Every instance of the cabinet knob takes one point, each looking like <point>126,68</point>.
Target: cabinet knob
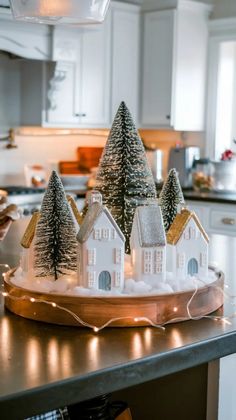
<point>80,114</point>
<point>228,221</point>
<point>168,117</point>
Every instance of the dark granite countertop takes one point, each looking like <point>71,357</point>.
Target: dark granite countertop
<point>214,197</point>
<point>44,366</point>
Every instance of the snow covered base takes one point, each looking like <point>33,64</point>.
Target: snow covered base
<point>68,284</point>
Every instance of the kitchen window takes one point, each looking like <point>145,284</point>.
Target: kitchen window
<point>221,124</point>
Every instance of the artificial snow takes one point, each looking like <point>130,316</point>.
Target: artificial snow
<point>67,284</point>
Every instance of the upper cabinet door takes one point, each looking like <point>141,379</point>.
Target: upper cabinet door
<point>174,67</point>
<point>157,68</point>
<point>125,58</point>
<point>93,75</point>
<point>190,69</point>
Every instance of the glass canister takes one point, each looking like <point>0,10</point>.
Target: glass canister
<point>202,172</point>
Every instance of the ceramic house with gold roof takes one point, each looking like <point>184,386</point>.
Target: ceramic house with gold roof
<point>187,246</point>
<point>148,245</point>
<point>100,248</point>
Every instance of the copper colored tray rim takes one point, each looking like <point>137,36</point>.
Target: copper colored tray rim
<point>99,310</point>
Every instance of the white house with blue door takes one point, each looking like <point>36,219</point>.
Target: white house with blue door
<point>187,246</point>
<point>100,249</point>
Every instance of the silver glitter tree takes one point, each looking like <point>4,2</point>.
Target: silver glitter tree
<point>124,177</point>
<point>170,197</point>
<point>55,240</point>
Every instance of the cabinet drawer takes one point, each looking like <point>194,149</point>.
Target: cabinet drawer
<point>223,221</point>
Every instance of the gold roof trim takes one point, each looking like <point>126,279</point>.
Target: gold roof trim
<point>30,230</point>
<point>74,208</point>
<point>180,222</point>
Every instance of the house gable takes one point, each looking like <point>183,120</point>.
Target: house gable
<point>92,215</point>
<point>180,223</point>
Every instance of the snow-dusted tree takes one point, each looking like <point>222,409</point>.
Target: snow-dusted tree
<point>170,197</point>
<point>55,240</point>
<point>124,177</point>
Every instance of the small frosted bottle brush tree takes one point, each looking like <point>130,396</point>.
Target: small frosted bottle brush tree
<point>55,242</point>
<point>171,197</point>
<point>124,177</point>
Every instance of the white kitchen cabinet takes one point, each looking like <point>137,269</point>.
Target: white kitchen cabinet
<point>76,87</point>
<point>125,57</point>
<point>221,219</point>
<point>96,68</point>
<point>216,218</point>
<point>174,67</point>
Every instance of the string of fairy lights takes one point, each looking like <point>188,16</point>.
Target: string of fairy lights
<point>148,321</point>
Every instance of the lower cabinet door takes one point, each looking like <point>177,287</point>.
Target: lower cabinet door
<point>227,388</point>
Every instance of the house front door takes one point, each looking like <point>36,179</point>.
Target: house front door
<point>104,280</point>
<point>192,267</point>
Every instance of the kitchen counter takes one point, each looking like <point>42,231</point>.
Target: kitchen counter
<point>215,197</point>
<point>45,366</point>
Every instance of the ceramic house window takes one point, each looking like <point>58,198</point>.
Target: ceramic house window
<point>180,260</point>
<point>158,266</point>
<point>147,255</point>
<point>92,256</point>
<point>113,234</point>
<point>147,269</point>
<point>158,256</point>
<point>192,233</point>
<point>187,234</point>
<point>147,262</point>
<point>117,278</point>
<point>97,234</point>
<point>91,279</point>
<point>118,255</point>
<point>203,260</point>
<point>105,234</point>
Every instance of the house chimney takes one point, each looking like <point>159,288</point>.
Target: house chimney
<point>93,197</point>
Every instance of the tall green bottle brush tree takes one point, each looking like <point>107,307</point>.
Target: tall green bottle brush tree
<point>171,197</point>
<point>55,241</point>
<point>124,177</point>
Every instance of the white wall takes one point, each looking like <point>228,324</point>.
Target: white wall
<point>224,9</point>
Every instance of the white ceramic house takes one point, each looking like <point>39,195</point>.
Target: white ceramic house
<point>148,245</point>
<point>187,246</point>
<point>100,249</point>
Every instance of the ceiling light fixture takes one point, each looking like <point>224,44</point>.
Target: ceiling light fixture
<point>60,11</point>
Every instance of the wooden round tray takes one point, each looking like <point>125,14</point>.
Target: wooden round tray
<point>97,311</point>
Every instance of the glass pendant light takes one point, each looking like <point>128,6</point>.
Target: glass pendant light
<point>60,11</point>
